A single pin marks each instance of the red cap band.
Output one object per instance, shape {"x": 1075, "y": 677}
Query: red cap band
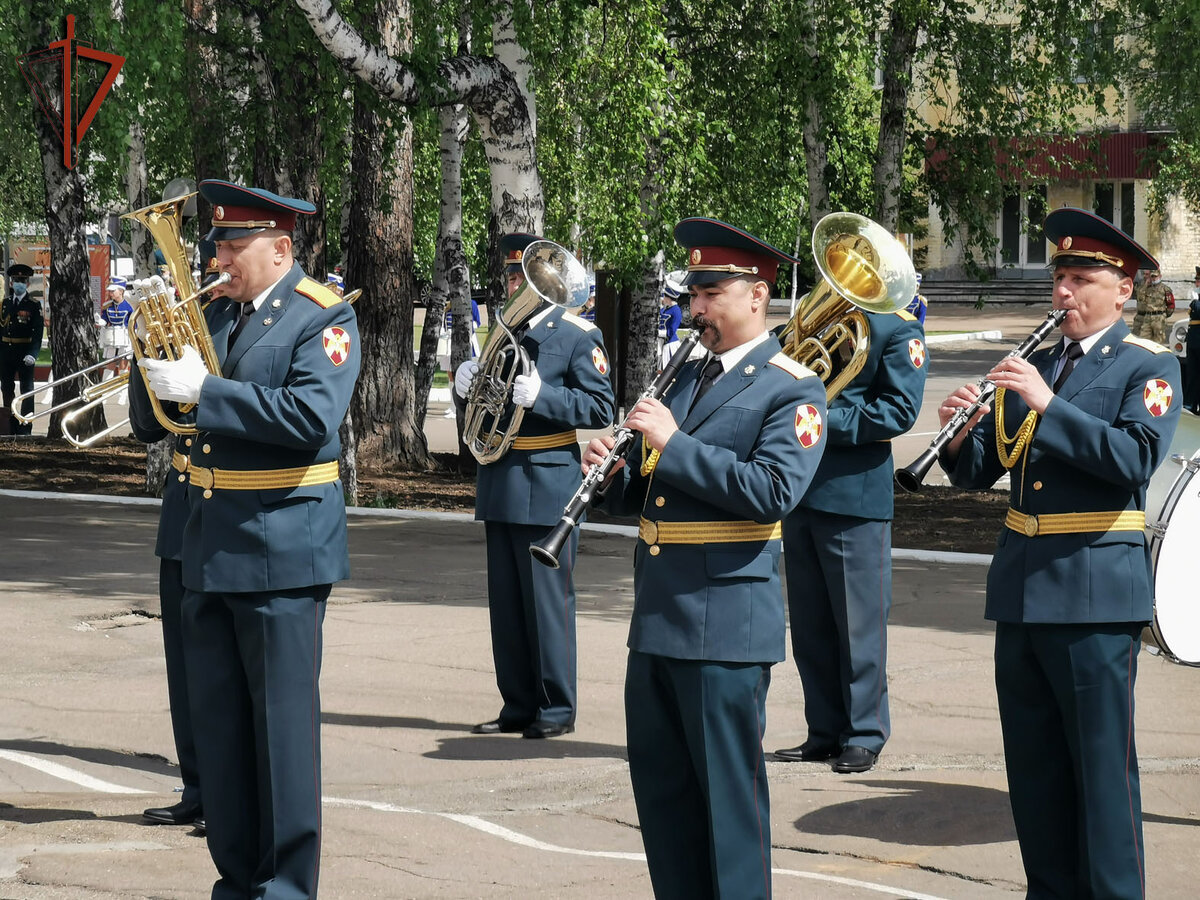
{"x": 734, "y": 260}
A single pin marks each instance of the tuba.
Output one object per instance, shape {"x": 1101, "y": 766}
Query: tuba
{"x": 491, "y": 419}
{"x": 863, "y": 268}
{"x": 161, "y": 326}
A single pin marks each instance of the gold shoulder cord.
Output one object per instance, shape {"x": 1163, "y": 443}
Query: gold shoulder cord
{"x": 649, "y": 460}
{"x": 1019, "y": 441}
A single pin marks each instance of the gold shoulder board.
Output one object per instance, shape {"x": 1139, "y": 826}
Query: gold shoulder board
{"x": 317, "y": 293}
{"x": 906, "y": 315}
{"x": 1145, "y": 344}
{"x": 789, "y": 365}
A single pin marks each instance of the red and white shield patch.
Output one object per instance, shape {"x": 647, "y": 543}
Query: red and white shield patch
{"x": 1157, "y": 396}
{"x": 916, "y": 352}
{"x": 600, "y": 361}
{"x": 808, "y": 425}
{"x": 337, "y": 344}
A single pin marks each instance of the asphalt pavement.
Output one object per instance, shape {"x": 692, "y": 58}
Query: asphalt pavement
{"x": 417, "y": 807}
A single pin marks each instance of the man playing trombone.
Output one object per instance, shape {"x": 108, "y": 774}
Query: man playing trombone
{"x": 21, "y": 328}
{"x": 1079, "y": 428}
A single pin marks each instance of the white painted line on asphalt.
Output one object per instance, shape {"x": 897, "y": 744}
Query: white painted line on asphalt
{"x": 524, "y": 840}
{"x": 56, "y": 770}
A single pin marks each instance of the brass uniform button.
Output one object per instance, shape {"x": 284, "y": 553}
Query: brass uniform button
{"x": 660, "y": 501}
{"x": 1037, "y": 485}
{"x": 182, "y": 477}
{"x": 206, "y": 448}
{"x": 655, "y": 550}
{"x": 207, "y": 494}
{"x": 188, "y": 442}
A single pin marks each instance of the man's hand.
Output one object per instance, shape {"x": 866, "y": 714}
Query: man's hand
{"x": 464, "y": 376}
{"x": 1015, "y": 374}
{"x": 180, "y": 380}
{"x": 28, "y": 360}
{"x": 595, "y": 452}
{"x": 526, "y": 388}
{"x": 654, "y": 421}
{"x": 963, "y": 398}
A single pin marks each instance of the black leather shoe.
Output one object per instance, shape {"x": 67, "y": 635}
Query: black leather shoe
{"x": 498, "y": 726}
{"x": 540, "y": 729}
{"x": 179, "y": 814}
{"x": 855, "y": 759}
{"x": 200, "y": 825}
{"x": 808, "y": 752}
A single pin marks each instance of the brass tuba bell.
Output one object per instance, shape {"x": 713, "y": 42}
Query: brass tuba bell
{"x": 491, "y": 420}
{"x": 863, "y": 268}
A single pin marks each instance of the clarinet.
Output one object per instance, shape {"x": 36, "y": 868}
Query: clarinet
{"x": 912, "y": 475}
{"x": 548, "y": 549}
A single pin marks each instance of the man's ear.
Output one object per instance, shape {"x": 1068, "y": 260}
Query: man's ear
{"x": 282, "y": 247}
{"x": 760, "y": 295}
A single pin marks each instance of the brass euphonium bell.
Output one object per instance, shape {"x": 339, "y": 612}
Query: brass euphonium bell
{"x": 161, "y": 326}
{"x": 491, "y": 420}
{"x": 863, "y": 269}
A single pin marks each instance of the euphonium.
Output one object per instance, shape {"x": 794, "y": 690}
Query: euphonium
{"x": 863, "y": 268}
{"x": 161, "y": 326}
{"x": 492, "y": 420}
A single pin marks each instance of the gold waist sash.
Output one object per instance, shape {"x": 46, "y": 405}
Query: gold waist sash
{"x": 546, "y": 441}
{"x": 1075, "y": 523}
{"x": 707, "y": 532}
{"x": 263, "y": 479}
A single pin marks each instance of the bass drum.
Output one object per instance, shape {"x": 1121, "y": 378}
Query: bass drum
{"x": 1175, "y": 490}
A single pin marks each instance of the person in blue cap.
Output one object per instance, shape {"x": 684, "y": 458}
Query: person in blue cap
{"x": 918, "y": 306}
{"x": 726, "y": 453}
{"x": 1079, "y": 428}
{"x": 168, "y": 548}
{"x": 114, "y": 315}
{"x": 839, "y": 554}
{"x": 520, "y": 498}
{"x": 21, "y": 330}
{"x": 264, "y": 540}
{"x": 670, "y": 317}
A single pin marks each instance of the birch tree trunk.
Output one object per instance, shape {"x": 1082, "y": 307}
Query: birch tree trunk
{"x": 72, "y": 333}
{"x": 380, "y": 260}
{"x": 888, "y": 173}
{"x": 207, "y": 99}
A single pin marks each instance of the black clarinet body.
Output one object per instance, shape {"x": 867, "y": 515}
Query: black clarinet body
{"x": 547, "y": 550}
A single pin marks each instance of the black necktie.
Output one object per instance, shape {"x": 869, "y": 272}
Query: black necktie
{"x": 1074, "y": 352}
{"x": 243, "y": 317}
{"x": 712, "y": 370}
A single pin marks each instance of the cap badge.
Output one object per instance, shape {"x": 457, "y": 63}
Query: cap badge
{"x": 218, "y": 213}
{"x": 696, "y": 257}
{"x": 1066, "y": 243}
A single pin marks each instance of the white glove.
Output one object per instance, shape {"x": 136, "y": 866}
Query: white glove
{"x": 28, "y": 360}
{"x": 526, "y": 388}
{"x": 179, "y": 380}
{"x": 464, "y": 376}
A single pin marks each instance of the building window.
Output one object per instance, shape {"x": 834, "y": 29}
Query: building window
{"x": 1022, "y": 243}
{"x": 1113, "y": 200}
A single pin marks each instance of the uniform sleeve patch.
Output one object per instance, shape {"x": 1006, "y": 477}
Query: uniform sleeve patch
{"x": 916, "y": 352}
{"x": 1145, "y": 344}
{"x": 317, "y": 293}
{"x": 906, "y": 315}
{"x": 583, "y": 324}
{"x": 599, "y": 360}
{"x": 808, "y": 425}
{"x": 337, "y": 344}
{"x": 1157, "y": 397}
{"x": 789, "y": 365}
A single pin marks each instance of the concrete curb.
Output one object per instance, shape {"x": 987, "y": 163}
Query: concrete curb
{"x": 963, "y": 336}
{"x": 930, "y": 556}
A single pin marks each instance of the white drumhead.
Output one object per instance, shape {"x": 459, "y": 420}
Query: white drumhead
{"x": 1176, "y": 624}
{"x": 1186, "y": 444}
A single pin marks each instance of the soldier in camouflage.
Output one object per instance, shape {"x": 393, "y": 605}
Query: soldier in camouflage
{"x": 1155, "y": 303}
